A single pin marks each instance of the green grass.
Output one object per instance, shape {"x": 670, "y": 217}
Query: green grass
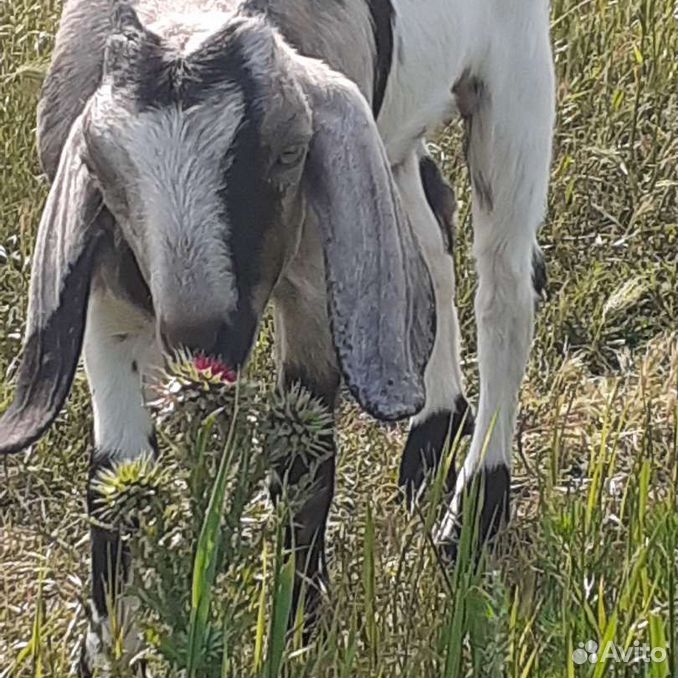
{"x": 590, "y": 554}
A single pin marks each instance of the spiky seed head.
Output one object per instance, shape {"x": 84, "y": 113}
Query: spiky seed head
{"x": 298, "y": 424}
{"x": 128, "y": 492}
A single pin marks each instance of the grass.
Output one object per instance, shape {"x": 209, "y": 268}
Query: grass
{"x": 590, "y": 555}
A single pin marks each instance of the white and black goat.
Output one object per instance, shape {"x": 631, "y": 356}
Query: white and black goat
{"x": 210, "y": 156}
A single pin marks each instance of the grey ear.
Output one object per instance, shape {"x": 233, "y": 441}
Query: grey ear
{"x": 380, "y": 293}
{"x": 68, "y": 235}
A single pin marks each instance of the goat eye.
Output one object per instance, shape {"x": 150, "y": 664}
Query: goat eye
{"x": 291, "y": 156}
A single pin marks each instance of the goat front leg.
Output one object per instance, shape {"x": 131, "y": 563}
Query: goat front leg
{"x": 119, "y": 349}
{"x": 508, "y": 107}
{"x": 305, "y": 355}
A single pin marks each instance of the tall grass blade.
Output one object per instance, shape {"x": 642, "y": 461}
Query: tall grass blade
{"x": 369, "y": 584}
{"x": 282, "y": 604}
{"x": 605, "y": 641}
{"x": 658, "y": 647}
{"x": 33, "y": 648}
{"x": 260, "y": 634}
{"x": 205, "y": 562}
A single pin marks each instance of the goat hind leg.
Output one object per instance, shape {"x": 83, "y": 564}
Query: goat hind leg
{"x": 431, "y": 206}
{"x": 509, "y": 128}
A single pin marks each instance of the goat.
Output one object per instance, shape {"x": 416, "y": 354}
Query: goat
{"x": 210, "y": 156}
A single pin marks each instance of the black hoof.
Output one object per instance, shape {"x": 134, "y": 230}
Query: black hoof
{"x": 489, "y": 491}
{"x": 425, "y": 447}
{"x": 313, "y": 613}
{"x": 84, "y": 668}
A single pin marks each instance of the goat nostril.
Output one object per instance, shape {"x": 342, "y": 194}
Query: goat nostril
{"x": 198, "y": 336}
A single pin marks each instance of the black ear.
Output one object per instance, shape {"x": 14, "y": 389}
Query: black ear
{"x": 126, "y": 20}
{"x": 380, "y": 292}
{"x": 132, "y": 50}
{"x": 71, "y": 227}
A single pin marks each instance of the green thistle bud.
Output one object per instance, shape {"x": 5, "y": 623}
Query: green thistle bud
{"x": 298, "y": 424}
{"x": 130, "y": 492}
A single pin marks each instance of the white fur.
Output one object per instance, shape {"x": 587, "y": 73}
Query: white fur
{"x": 117, "y": 336}
{"x": 443, "y": 379}
{"x": 432, "y": 49}
{"x": 178, "y": 159}
{"x": 505, "y": 45}
{"x": 511, "y": 145}
{"x": 185, "y": 31}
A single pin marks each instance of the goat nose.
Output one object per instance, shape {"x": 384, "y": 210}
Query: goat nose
{"x": 198, "y": 336}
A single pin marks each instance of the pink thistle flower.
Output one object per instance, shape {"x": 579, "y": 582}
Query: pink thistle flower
{"x": 216, "y": 367}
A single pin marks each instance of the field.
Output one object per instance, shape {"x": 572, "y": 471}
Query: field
{"x": 591, "y": 552}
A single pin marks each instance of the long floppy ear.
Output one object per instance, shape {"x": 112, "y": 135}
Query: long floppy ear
{"x": 70, "y": 228}
{"x": 380, "y": 293}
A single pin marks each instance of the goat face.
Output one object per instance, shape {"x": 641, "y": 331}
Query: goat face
{"x": 213, "y": 154}
{"x": 199, "y": 157}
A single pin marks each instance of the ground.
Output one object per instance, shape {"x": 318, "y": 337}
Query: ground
{"x": 590, "y": 555}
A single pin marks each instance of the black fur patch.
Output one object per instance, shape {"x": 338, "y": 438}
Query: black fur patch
{"x": 129, "y": 279}
{"x": 135, "y": 60}
{"x": 110, "y": 559}
{"x": 110, "y": 563}
{"x": 85, "y": 669}
{"x": 470, "y": 93}
{"x": 440, "y": 197}
{"x": 310, "y": 518}
{"x": 138, "y": 61}
{"x": 153, "y": 444}
{"x": 539, "y": 276}
{"x": 494, "y": 486}
{"x": 426, "y": 447}
{"x": 383, "y": 16}
{"x": 250, "y": 202}
{"x": 50, "y": 355}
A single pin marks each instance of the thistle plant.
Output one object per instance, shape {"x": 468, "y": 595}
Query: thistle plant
{"x": 297, "y": 423}
{"x": 297, "y": 428}
{"x": 131, "y": 493}
{"x": 193, "y": 389}
{"x": 194, "y": 518}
